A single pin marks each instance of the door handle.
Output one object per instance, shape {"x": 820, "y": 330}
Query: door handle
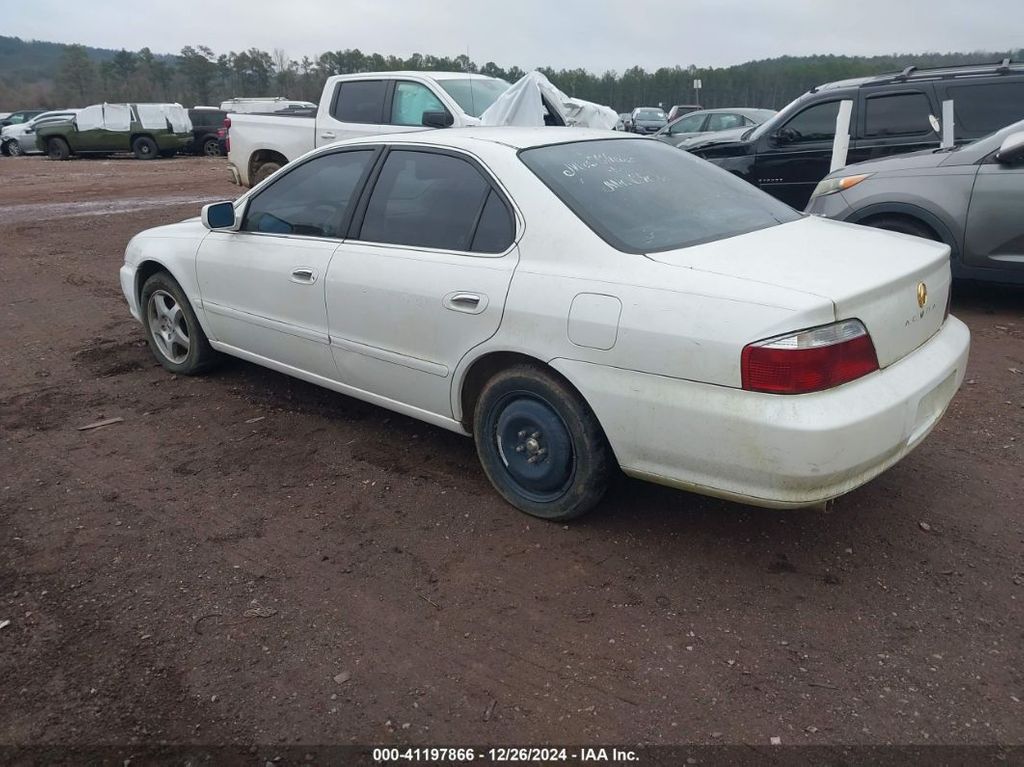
{"x": 469, "y": 303}
{"x": 328, "y": 135}
{"x": 304, "y": 275}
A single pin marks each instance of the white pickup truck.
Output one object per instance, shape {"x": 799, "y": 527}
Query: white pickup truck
{"x": 358, "y": 105}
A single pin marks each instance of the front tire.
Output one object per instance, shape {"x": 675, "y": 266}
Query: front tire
{"x": 145, "y": 148}
{"x": 540, "y": 445}
{"x": 172, "y": 329}
{"x": 13, "y": 148}
{"x": 58, "y": 149}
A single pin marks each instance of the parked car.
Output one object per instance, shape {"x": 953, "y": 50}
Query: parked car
{"x": 206, "y": 125}
{"x": 20, "y": 138}
{"x": 625, "y": 120}
{"x": 146, "y": 130}
{"x": 892, "y": 114}
{"x": 21, "y": 116}
{"x": 971, "y": 198}
{"x": 358, "y": 105}
{"x": 647, "y": 120}
{"x": 428, "y": 274}
{"x": 697, "y": 124}
{"x": 679, "y": 110}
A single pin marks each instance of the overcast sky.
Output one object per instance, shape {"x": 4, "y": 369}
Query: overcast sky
{"x": 594, "y": 34}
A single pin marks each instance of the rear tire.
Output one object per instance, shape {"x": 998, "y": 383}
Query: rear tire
{"x": 904, "y": 225}
{"x": 172, "y": 329}
{"x": 57, "y": 149}
{"x": 145, "y": 148}
{"x": 211, "y": 147}
{"x": 265, "y": 171}
{"x": 540, "y": 445}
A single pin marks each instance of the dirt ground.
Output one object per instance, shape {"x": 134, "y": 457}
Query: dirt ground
{"x": 335, "y": 573}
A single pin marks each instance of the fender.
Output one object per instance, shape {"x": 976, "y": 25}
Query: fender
{"x": 914, "y": 211}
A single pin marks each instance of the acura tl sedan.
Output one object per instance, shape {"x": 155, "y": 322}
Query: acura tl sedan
{"x": 577, "y": 301}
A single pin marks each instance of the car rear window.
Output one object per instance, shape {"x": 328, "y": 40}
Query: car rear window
{"x": 645, "y": 196}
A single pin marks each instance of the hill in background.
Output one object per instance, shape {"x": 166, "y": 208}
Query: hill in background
{"x": 47, "y": 74}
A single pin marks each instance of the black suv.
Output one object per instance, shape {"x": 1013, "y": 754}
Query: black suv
{"x": 205, "y": 124}
{"x": 790, "y": 153}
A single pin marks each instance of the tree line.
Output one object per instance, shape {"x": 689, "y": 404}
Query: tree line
{"x": 199, "y": 76}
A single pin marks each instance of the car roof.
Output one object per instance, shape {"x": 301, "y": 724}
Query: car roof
{"x": 514, "y": 138}
{"x": 432, "y": 75}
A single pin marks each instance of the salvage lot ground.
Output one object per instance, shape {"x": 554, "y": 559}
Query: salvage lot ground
{"x": 401, "y": 600}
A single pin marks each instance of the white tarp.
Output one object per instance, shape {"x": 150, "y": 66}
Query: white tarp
{"x": 177, "y": 115}
{"x": 152, "y": 116}
{"x": 521, "y": 105}
{"x": 90, "y": 118}
{"x": 117, "y": 117}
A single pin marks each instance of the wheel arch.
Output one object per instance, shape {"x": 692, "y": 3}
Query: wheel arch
{"x": 473, "y": 374}
{"x": 914, "y": 212}
{"x": 141, "y": 134}
{"x": 262, "y": 157}
{"x": 149, "y": 266}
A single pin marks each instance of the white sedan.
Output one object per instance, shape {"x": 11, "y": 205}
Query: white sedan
{"x": 575, "y": 300}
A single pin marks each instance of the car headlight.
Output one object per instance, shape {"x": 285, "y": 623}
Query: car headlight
{"x": 833, "y": 185}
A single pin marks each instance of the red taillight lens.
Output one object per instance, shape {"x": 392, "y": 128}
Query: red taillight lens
{"x": 810, "y": 360}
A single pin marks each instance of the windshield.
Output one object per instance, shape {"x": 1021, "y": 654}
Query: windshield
{"x": 650, "y": 114}
{"x": 644, "y": 196}
{"x": 474, "y": 95}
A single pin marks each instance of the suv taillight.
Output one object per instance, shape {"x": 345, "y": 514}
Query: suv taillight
{"x": 808, "y": 361}
{"x": 227, "y": 122}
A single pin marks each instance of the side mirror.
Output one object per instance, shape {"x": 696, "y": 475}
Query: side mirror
{"x": 785, "y": 135}
{"x": 218, "y": 215}
{"x": 1012, "y": 149}
{"x": 441, "y": 119}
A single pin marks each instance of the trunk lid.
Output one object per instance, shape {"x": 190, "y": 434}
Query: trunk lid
{"x": 867, "y": 274}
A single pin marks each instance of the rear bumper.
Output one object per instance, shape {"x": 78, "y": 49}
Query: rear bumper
{"x": 771, "y": 450}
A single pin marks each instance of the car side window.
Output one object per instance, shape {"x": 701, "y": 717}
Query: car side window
{"x": 984, "y": 108}
{"x": 816, "y": 123}
{"x": 312, "y": 199}
{"x": 899, "y": 114}
{"x": 433, "y": 200}
{"x": 724, "y": 121}
{"x": 689, "y": 124}
{"x": 360, "y": 101}
{"x": 410, "y": 101}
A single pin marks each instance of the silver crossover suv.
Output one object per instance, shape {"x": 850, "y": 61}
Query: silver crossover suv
{"x": 970, "y": 197}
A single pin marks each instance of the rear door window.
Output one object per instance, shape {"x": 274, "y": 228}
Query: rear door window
{"x": 360, "y": 101}
{"x": 724, "y": 121}
{"x": 984, "y": 108}
{"x": 897, "y": 114}
{"x": 312, "y": 199}
{"x": 431, "y": 200}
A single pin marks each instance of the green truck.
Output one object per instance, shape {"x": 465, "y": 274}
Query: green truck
{"x": 146, "y": 130}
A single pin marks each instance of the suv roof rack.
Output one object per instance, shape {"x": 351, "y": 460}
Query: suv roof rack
{"x": 947, "y": 72}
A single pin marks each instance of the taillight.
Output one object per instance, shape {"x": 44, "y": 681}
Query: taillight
{"x": 810, "y": 360}
{"x": 227, "y": 122}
